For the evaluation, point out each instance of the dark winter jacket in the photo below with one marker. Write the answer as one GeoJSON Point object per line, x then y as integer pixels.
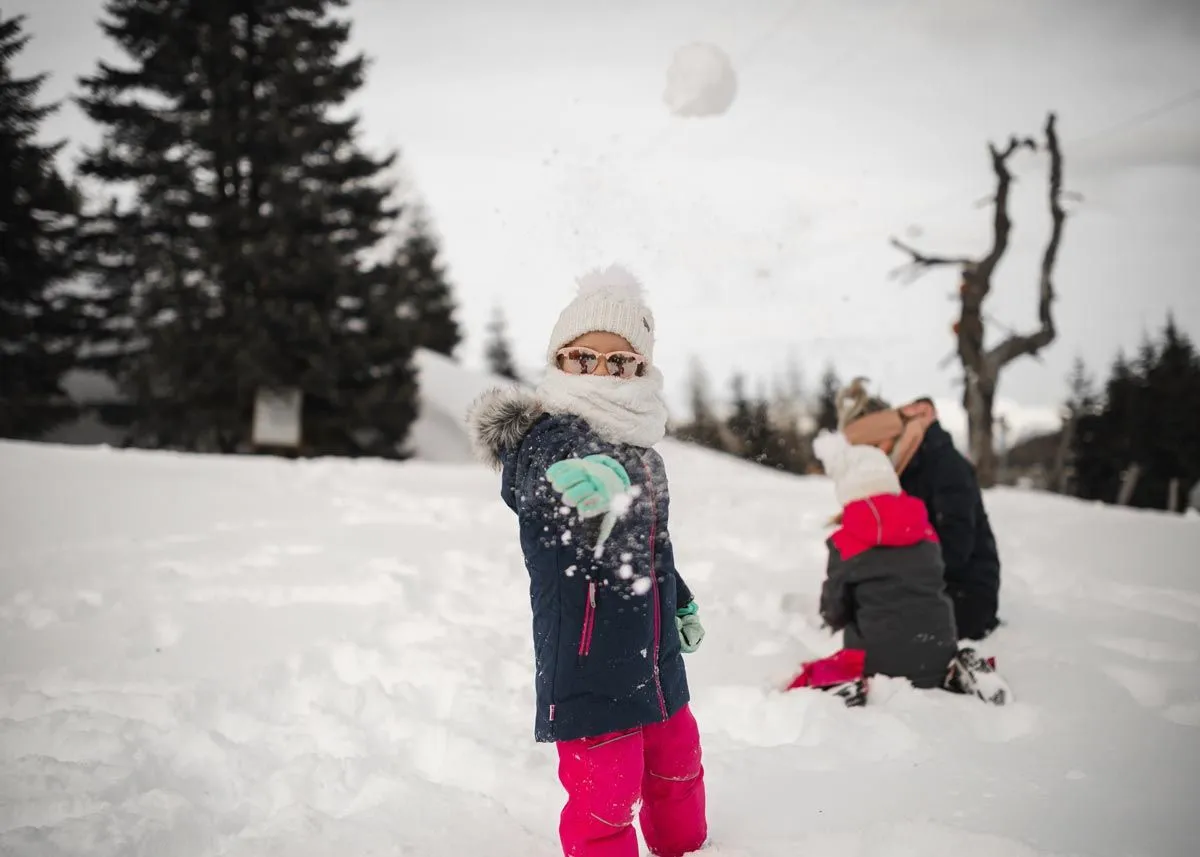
{"type": "Point", "coordinates": [945, 482]}
{"type": "Point", "coordinates": [885, 588]}
{"type": "Point", "coordinates": [606, 647]}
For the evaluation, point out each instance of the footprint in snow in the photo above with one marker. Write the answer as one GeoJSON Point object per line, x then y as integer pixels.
{"type": "Point", "coordinates": [1154, 692]}
{"type": "Point", "coordinates": [1185, 714]}
{"type": "Point", "coordinates": [1173, 604]}
{"type": "Point", "coordinates": [1148, 650]}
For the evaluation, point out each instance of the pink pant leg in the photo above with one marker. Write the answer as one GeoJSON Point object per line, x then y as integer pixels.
{"type": "Point", "coordinates": [673, 817]}
{"type": "Point", "coordinates": [603, 779]}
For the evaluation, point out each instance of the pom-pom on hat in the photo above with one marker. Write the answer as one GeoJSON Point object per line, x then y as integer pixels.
{"type": "Point", "coordinates": [610, 300]}
{"type": "Point", "coordinates": [858, 472]}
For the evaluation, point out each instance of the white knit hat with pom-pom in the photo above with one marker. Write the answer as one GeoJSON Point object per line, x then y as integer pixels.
{"type": "Point", "coordinates": [610, 300]}
{"type": "Point", "coordinates": [858, 472]}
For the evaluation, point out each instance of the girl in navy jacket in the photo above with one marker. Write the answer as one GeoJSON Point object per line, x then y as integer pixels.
{"type": "Point", "coordinates": [611, 615]}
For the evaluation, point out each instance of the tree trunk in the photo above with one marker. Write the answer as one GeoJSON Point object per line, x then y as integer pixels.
{"type": "Point", "coordinates": [982, 367]}
{"type": "Point", "coordinates": [978, 399]}
{"type": "Point", "coordinates": [1129, 480]}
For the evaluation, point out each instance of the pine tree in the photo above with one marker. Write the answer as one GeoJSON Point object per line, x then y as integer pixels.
{"type": "Point", "coordinates": [1078, 430]}
{"type": "Point", "coordinates": [1148, 419]}
{"type": "Point", "coordinates": [827, 400]}
{"type": "Point", "coordinates": [38, 216]}
{"type": "Point", "coordinates": [786, 445]}
{"type": "Point", "coordinates": [1113, 447]}
{"type": "Point", "coordinates": [761, 444]}
{"type": "Point", "coordinates": [240, 264]}
{"type": "Point", "coordinates": [497, 351]}
{"type": "Point", "coordinates": [705, 427]}
{"type": "Point", "coordinates": [1081, 387]}
{"type": "Point", "coordinates": [1173, 431]}
{"type": "Point", "coordinates": [430, 300]}
{"type": "Point", "coordinates": [741, 421]}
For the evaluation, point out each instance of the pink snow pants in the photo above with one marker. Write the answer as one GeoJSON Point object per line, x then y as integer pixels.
{"type": "Point", "coordinates": [606, 778]}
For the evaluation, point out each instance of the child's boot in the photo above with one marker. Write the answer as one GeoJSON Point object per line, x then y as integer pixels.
{"type": "Point", "coordinates": [969, 673]}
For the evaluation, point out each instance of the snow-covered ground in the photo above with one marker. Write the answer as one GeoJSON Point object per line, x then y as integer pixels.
{"type": "Point", "coordinates": [248, 657]}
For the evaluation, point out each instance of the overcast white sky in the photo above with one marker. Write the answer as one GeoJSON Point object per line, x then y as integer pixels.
{"type": "Point", "coordinates": [536, 133]}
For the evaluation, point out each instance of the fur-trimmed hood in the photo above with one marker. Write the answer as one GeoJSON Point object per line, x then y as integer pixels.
{"type": "Point", "coordinates": [499, 419]}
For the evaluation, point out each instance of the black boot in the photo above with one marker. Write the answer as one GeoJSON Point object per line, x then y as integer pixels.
{"type": "Point", "coordinates": [970, 674]}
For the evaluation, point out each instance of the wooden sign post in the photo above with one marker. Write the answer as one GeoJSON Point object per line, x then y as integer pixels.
{"type": "Point", "coordinates": [277, 419]}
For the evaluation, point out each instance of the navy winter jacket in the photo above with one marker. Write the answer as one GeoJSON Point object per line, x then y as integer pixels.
{"type": "Point", "coordinates": [606, 647]}
{"type": "Point", "coordinates": [945, 481]}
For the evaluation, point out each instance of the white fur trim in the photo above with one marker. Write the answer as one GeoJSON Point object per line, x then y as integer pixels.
{"type": "Point", "coordinates": [498, 420]}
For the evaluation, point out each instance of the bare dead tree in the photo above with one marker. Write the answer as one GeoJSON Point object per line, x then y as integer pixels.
{"type": "Point", "coordinates": [982, 366]}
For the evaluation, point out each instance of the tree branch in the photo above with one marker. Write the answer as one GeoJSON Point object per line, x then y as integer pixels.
{"type": "Point", "coordinates": [1017, 345]}
{"type": "Point", "coordinates": [1001, 227]}
{"type": "Point", "coordinates": [922, 262]}
{"type": "Point", "coordinates": [1001, 224]}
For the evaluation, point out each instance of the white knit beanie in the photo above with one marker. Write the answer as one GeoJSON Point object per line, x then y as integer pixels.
{"type": "Point", "coordinates": [858, 472]}
{"type": "Point", "coordinates": [610, 300]}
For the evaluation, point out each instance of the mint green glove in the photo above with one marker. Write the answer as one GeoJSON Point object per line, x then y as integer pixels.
{"type": "Point", "coordinates": [691, 632]}
{"type": "Point", "coordinates": [588, 484]}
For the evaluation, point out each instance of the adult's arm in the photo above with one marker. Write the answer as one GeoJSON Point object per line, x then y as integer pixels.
{"type": "Point", "coordinates": [955, 500]}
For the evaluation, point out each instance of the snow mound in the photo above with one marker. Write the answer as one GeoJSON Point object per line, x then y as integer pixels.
{"type": "Point", "coordinates": [248, 656]}
{"type": "Point", "coordinates": [446, 391]}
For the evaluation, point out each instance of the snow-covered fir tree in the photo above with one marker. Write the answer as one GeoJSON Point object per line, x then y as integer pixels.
{"type": "Point", "coordinates": [39, 319]}
{"type": "Point", "coordinates": [827, 398]}
{"type": "Point", "coordinates": [431, 302]}
{"type": "Point", "coordinates": [238, 258]}
{"type": "Point", "coordinates": [497, 350]}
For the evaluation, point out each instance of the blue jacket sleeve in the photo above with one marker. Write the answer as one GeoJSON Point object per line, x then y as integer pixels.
{"type": "Point", "coordinates": [666, 560]}
{"type": "Point", "coordinates": [665, 550]}
{"type": "Point", "coordinates": [527, 491]}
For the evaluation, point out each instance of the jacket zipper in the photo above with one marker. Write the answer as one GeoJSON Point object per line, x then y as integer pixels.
{"type": "Point", "coordinates": [662, 701]}
{"type": "Point", "coordinates": [589, 622]}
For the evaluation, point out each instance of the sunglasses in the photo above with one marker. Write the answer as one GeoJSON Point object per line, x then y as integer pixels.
{"type": "Point", "coordinates": [585, 361]}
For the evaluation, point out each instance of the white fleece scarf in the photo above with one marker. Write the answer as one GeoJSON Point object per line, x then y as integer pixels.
{"type": "Point", "coordinates": [629, 411]}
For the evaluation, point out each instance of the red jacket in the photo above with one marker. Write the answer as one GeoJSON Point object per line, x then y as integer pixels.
{"type": "Point", "coordinates": [886, 520]}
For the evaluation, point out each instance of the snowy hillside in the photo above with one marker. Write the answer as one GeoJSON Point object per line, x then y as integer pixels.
{"type": "Point", "coordinates": [243, 657]}
{"type": "Point", "coordinates": [446, 390]}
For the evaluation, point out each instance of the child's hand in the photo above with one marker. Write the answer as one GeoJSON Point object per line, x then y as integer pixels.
{"type": "Point", "coordinates": [588, 484]}
{"type": "Point", "coordinates": [691, 632]}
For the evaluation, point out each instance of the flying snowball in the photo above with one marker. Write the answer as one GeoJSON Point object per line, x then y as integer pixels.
{"type": "Point", "coordinates": [700, 81]}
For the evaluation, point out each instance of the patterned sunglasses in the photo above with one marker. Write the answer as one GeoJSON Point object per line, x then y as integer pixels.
{"type": "Point", "coordinates": [576, 360]}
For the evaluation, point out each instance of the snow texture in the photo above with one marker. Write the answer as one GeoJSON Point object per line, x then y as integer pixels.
{"type": "Point", "coordinates": [206, 655]}
{"type": "Point", "coordinates": [700, 81]}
